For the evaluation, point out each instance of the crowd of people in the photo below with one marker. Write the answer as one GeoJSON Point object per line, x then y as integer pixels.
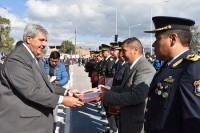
{"type": "Point", "coordinates": [160, 92]}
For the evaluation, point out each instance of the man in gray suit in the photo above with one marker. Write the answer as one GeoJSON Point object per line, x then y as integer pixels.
{"type": "Point", "coordinates": [131, 95]}
{"type": "Point", "coordinates": [27, 98]}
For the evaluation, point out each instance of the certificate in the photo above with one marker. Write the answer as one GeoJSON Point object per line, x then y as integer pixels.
{"type": "Point", "coordinates": [89, 97]}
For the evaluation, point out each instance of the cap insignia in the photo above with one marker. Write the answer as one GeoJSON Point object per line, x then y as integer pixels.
{"type": "Point", "coordinates": [164, 28]}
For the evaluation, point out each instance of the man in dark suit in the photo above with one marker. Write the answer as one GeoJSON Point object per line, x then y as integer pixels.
{"type": "Point", "coordinates": [174, 96]}
{"type": "Point", "coordinates": [27, 98]}
{"type": "Point", "coordinates": [131, 95]}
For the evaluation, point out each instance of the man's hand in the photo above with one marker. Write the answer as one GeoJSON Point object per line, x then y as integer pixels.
{"type": "Point", "coordinates": [74, 92]}
{"type": "Point", "coordinates": [55, 82]}
{"type": "Point", "coordinates": [48, 77]}
{"type": "Point", "coordinates": [100, 98]}
{"type": "Point", "coordinates": [104, 88]}
{"type": "Point", "coordinates": [72, 102]}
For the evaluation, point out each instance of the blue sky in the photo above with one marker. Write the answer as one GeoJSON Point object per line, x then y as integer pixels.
{"type": "Point", "coordinates": [14, 6]}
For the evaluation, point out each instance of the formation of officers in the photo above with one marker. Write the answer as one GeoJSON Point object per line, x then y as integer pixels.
{"type": "Point", "coordinates": [172, 93]}
{"type": "Point", "coordinates": [109, 63]}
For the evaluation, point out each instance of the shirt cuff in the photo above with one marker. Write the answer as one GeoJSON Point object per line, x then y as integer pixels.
{"type": "Point", "coordinates": [66, 92]}
{"type": "Point", "coordinates": [60, 99]}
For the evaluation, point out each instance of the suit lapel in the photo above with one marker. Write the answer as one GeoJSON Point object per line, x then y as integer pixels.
{"type": "Point", "coordinates": [132, 71]}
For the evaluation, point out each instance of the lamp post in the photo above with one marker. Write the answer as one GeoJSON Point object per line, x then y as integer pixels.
{"type": "Point", "coordinates": [129, 29]}
{"type": "Point", "coordinates": [151, 18]}
{"type": "Point", "coordinates": [116, 33]}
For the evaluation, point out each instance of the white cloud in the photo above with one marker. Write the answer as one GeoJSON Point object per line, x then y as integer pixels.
{"type": "Point", "coordinates": [96, 25]}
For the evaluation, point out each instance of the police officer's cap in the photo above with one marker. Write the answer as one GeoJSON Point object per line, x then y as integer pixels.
{"type": "Point", "coordinates": [115, 45]}
{"type": "Point", "coordinates": [120, 45]}
{"type": "Point", "coordinates": [100, 48]}
{"type": "Point", "coordinates": [198, 50]}
{"type": "Point", "coordinates": [92, 51]}
{"type": "Point", "coordinates": [105, 47]}
{"type": "Point", "coordinates": [96, 53]}
{"type": "Point", "coordinates": [163, 23]}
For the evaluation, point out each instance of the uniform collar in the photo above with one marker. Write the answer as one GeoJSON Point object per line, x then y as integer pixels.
{"type": "Point", "coordinates": [116, 61]}
{"type": "Point", "coordinates": [108, 57]}
{"type": "Point", "coordinates": [29, 50]}
{"type": "Point", "coordinates": [170, 62]}
{"type": "Point", "coordinates": [134, 62]}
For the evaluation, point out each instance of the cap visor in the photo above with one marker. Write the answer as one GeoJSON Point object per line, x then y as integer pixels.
{"type": "Point", "coordinates": [152, 31]}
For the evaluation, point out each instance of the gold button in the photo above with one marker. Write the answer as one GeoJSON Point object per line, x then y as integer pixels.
{"type": "Point", "coordinates": [144, 120]}
{"type": "Point", "coordinates": [146, 109]}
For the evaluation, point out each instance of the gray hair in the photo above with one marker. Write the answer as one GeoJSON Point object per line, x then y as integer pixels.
{"type": "Point", "coordinates": [32, 30]}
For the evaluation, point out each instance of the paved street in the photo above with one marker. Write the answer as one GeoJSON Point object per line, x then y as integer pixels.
{"type": "Point", "coordinates": [85, 119]}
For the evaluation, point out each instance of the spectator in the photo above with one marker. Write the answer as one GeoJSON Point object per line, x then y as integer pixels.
{"type": "Point", "coordinates": [157, 63]}
{"type": "Point", "coordinates": [79, 61]}
{"type": "Point", "coordinates": [66, 62]}
{"type": "Point", "coordinates": [53, 67]}
{"type": "Point", "coordinates": [83, 61]}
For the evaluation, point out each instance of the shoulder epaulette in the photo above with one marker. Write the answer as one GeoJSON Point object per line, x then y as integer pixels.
{"type": "Point", "coordinates": [193, 57]}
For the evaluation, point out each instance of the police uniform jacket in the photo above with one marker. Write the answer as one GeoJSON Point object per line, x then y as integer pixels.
{"type": "Point", "coordinates": [116, 66]}
{"type": "Point", "coordinates": [106, 68]}
{"type": "Point", "coordinates": [174, 97]}
{"type": "Point", "coordinates": [120, 73]}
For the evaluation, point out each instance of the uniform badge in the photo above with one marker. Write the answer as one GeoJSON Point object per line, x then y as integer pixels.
{"type": "Point", "coordinates": [177, 63]}
{"type": "Point", "coordinates": [111, 59]}
{"type": "Point", "coordinates": [164, 94]}
{"type": "Point", "coordinates": [197, 88]}
{"type": "Point", "coordinates": [159, 92]}
{"type": "Point", "coordinates": [169, 79]}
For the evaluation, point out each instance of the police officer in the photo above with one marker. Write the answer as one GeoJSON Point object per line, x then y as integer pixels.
{"type": "Point", "coordinates": [106, 68]}
{"type": "Point", "coordinates": [174, 96]}
{"type": "Point", "coordinates": [90, 66]}
{"type": "Point", "coordinates": [120, 67]}
{"type": "Point", "coordinates": [100, 60]}
{"type": "Point", "coordinates": [97, 66]}
{"type": "Point", "coordinates": [115, 47]}
{"type": "Point", "coordinates": [119, 72]}
{"type": "Point", "coordinates": [111, 113]}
